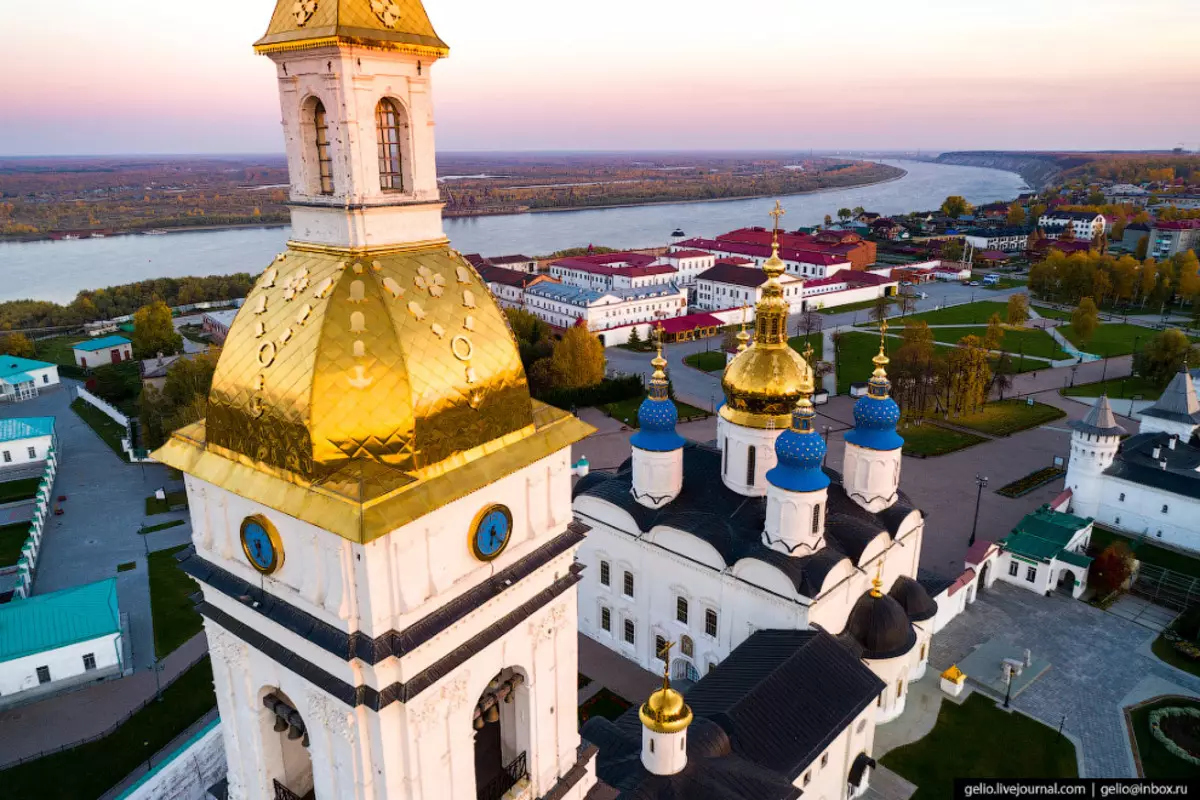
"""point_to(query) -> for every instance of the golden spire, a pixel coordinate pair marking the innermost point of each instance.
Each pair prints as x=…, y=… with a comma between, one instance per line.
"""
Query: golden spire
x=877, y=583
x=879, y=385
x=743, y=337
x=665, y=711
x=658, y=381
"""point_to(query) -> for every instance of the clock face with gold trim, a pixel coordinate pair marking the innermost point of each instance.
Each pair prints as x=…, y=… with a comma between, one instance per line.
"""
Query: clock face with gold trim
x=261, y=544
x=491, y=532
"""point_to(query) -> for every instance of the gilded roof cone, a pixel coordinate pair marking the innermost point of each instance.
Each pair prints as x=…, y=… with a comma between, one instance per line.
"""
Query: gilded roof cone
x=665, y=711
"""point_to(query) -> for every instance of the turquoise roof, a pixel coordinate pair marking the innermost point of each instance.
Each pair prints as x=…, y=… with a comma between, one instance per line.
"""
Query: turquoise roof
x=49, y=621
x=103, y=343
x=12, y=367
x=18, y=428
x=1044, y=534
x=1075, y=559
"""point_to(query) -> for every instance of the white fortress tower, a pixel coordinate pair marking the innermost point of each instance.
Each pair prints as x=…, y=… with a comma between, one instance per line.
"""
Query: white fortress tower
x=1094, y=443
x=381, y=514
x=871, y=465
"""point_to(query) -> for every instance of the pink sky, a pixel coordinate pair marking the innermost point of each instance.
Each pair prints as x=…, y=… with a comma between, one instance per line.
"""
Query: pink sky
x=141, y=76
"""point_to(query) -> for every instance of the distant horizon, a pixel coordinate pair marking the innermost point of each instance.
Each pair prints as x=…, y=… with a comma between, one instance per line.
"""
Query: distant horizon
x=626, y=75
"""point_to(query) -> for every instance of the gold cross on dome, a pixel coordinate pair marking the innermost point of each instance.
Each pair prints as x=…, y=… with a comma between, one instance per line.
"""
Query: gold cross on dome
x=776, y=213
x=666, y=650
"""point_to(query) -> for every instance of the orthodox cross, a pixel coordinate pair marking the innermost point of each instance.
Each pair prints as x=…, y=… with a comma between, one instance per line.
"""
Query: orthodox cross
x=775, y=214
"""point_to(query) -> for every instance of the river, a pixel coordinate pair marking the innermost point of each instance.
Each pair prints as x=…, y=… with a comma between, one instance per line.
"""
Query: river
x=58, y=270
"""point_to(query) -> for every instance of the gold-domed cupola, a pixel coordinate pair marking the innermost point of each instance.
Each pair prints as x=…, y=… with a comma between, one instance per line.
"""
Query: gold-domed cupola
x=763, y=383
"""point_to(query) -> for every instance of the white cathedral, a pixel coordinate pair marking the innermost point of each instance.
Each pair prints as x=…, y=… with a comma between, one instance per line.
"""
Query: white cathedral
x=388, y=551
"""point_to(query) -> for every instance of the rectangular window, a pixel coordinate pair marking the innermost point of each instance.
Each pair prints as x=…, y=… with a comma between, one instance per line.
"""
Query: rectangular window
x=32, y=452
x=710, y=622
x=606, y=619
x=1012, y=568
x=1031, y=574
x=628, y=588
x=681, y=609
x=605, y=577
x=7, y=457
x=629, y=631
x=43, y=674
x=89, y=661
x=660, y=644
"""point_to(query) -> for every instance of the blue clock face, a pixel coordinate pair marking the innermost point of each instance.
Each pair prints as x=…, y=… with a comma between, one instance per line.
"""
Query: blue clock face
x=491, y=532
x=260, y=545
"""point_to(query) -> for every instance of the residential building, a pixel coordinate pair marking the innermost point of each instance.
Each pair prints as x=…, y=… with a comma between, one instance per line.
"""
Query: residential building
x=217, y=324
x=689, y=264
x=992, y=210
x=1085, y=225
x=103, y=351
x=1133, y=234
x=25, y=441
x=847, y=245
x=508, y=286
x=24, y=378
x=888, y=228
x=1169, y=238
x=1045, y=552
x=59, y=640
x=517, y=262
x=564, y=306
x=1126, y=194
x=154, y=370
x=1180, y=201
x=733, y=284
x=607, y=271
x=807, y=263
x=1008, y=240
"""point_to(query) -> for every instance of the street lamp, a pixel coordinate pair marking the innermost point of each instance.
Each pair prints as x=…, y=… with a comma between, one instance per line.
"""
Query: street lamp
x=826, y=429
x=1008, y=672
x=980, y=481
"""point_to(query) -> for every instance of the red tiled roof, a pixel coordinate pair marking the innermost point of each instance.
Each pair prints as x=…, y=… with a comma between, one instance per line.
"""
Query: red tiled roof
x=690, y=323
x=511, y=277
x=513, y=259
x=995, y=255
x=1178, y=225
x=764, y=251
x=963, y=580
x=688, y=254
x=603, y=259
x=978, y=552
x=1062, y=500
x=634, y=271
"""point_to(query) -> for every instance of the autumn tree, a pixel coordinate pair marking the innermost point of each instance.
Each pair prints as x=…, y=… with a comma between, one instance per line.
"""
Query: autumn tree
x=828, y=220
x=952, y=250
x=995, y=333
x=1163, y=356
x=1018, y=309
x=906, y=302
x=578, y=360
x=879, y=308
x=1147, y=279
x=1143, y=247
x=970, y=376
x=1101, y=286
x=1111, y=568
x=17, y=344
x=182, y=400
x=154, y=331
x=857, y=210
x=810, y=322
x=1002, y=375
x=1187, y=270
x=955, y=206
x=1085, y=319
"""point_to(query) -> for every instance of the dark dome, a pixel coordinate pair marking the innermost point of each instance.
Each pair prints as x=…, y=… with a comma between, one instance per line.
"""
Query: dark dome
x=913, y=598
x=881, y=626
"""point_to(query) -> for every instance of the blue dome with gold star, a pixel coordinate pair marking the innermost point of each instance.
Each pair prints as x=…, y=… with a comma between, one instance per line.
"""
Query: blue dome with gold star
x=799, y=455
x=875, y=420
x=656, y=426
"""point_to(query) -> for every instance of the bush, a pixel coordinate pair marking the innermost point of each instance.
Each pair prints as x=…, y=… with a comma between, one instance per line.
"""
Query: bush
x=609, y=390
x=1112, y=568
x=1188, y=624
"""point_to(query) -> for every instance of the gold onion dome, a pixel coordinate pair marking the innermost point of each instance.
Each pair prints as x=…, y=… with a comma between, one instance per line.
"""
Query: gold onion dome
x=763, y=383
x=665, y=710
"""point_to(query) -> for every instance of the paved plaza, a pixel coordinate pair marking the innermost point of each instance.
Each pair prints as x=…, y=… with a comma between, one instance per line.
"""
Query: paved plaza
x=1099, y=663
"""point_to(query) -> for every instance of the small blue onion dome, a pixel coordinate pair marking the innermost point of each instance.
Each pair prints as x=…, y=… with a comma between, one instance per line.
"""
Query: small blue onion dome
x=799, y=456
x=876, y=413
x=656, y=431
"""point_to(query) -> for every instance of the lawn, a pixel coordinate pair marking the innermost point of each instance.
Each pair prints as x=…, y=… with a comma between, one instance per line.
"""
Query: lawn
x=1110, y=339
x=708, y=361
x=1166, y=651
x=1158, y=762
x=156, y=506
x=57, y=349
x=1052, y=313
x=12, y=539
x=848, y=307
x=162, y=526
x=92, y=769
x=102, y=424
x=1016, y=340
x=626, y=411
x=1148, y=552
x=978, y=740
x=24, y=489
x=816, y=338
x=1117, y=388
x=854, y=355
x=977, y=313
x=1005, y=417
x=603, y=704
x=930, y=440
x=175, y=617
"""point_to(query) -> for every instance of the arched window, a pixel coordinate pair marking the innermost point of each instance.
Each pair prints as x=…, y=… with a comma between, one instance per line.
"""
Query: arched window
x=686, y=647
x=751, y=454
x=388, y=123
x=816, y=518
x=324, y=159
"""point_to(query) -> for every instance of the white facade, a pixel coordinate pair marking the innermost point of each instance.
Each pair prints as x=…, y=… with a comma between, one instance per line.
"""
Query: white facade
x=1085, y=227
x=564, y=306
x=871, y=477
x=17, y=452
x=119, y=352
x=27, y=381
x=657, y=476
x=71, y=665
x=747, y=454
x=715, y=295
x=602, y=279
x=688, y=264
x=1007, y=240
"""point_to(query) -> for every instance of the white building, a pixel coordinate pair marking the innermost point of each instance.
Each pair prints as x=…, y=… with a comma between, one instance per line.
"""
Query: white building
x=731, y=284
x=217, y=323
x=24, y=378
x=1047, y=552
x=25, y=441
x=1008, y=240
x=564, y=306
x=103, y=351
x=517, y=262
x=1126, y=193
x=689, y=264
x=508, y=286
x=1086, y=225
x=610, y=271
x=1169, y=238
x=59, y=640
x=804, y=263
x=1146, y=485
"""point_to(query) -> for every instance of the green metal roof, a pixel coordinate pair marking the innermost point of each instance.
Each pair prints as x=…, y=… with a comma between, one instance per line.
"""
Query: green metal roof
x=103, y=343
x=1030, y=546
x=49, y=621
x=1044, y=534
x=17, y=428
x=11, y=366
x=1075, y=559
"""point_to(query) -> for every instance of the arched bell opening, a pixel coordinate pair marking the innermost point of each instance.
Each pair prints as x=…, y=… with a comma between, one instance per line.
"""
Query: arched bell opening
x=286, y=758
x=502, y=734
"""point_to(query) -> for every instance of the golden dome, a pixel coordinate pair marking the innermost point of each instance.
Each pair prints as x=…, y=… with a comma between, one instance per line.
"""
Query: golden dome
x=763, y=383
x=665, y=711
x=388, y=24
x=400, y=358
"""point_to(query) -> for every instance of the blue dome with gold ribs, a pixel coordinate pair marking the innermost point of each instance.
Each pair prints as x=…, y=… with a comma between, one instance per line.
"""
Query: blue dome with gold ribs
x=876, y=413
x=657, y=415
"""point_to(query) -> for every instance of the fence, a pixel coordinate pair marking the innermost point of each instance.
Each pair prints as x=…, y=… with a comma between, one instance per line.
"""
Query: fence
x=135, y=455
x=1166, y=588
x=43, y=500
x=111, y=729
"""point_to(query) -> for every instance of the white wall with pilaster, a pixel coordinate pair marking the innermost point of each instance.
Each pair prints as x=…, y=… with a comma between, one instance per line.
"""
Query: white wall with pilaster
x=871, y=477
x=657, y=476
x=741, y=471
x=789, y=525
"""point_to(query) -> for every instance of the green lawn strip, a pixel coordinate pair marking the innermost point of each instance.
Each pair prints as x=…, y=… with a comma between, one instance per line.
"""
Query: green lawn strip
x=1117, y=388
x=1032, y=481
x=1145, y=550
x=162, y=526
x=1109, y=339
x=843, y=309
x=978, y=740
x=156, y=506
x=1053, y=313
x=57, y=349
x=92, y=769
x=603, y=703
x=626, y=411
x=930, y=440
x=12, y=539
x=1157, y=761
x=854, y=354
x=23, y=489
x=175, y=618
x=816, y=338
x=1016, y=340
x=708, y=361
x=1166, y=651
x=977, y=313
x=1004, y=417
x=102, y=424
